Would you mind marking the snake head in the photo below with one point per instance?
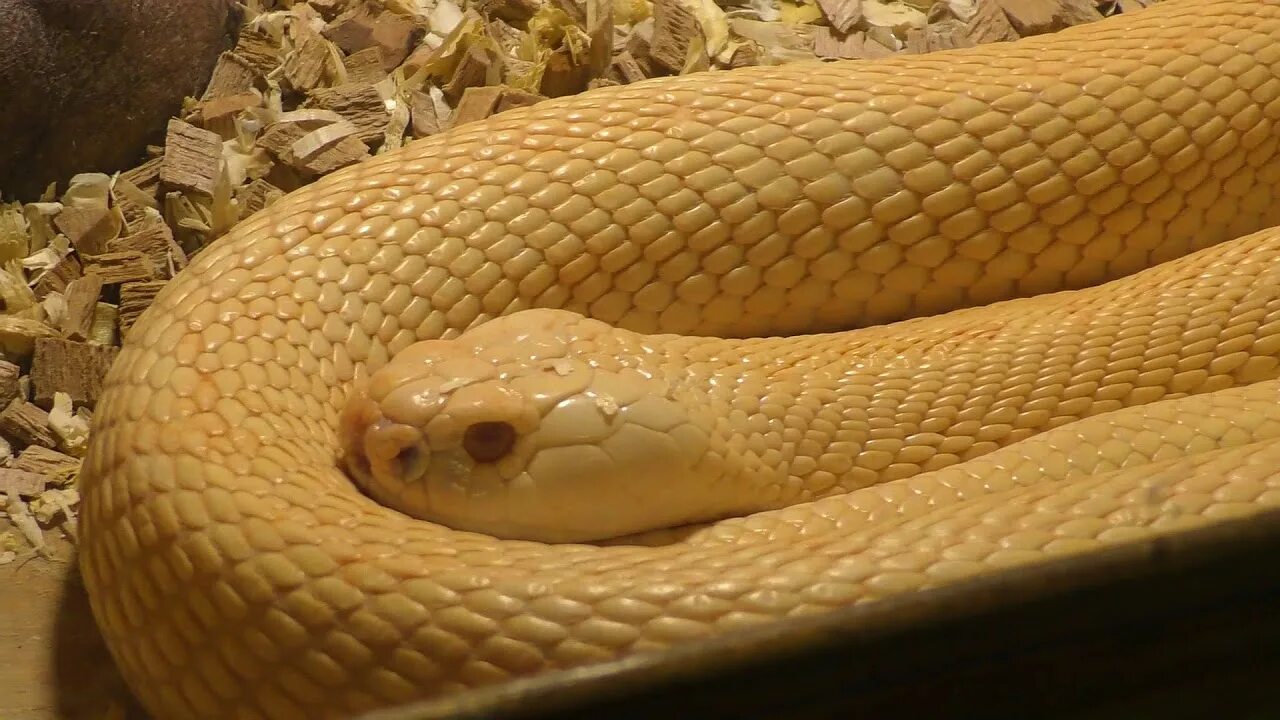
(541, 425)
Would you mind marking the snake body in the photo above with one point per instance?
(1068, 236)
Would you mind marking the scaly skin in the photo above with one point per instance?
(614, 433)
(236, 572)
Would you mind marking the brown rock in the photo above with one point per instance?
(87, 85)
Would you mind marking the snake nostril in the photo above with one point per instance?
(489, 441)
(408, 460)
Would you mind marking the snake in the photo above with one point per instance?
(661, 361)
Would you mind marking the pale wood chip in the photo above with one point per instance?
(154, 239)
(395, 35)
(322, 138)
(359, 103)
(10, 374)
(305, 66)
(1132, 6)
(219, 114)
(191, 156)
(82, 302)
(626, 69)
(328, 8)
(884, 38)
(576, 10)
(1079, 12)
(505, 35)
(598, 23)
(517, 68)
(424, 120)
(258, 50)
(56, 278)
(88, 228)
(746, 55)
(285, 177)
(27, 424)
(477, 103)
(1036, 17)
(471, 71)
(842, 14)
(278, 139)
(134, 298)
(674, 30)
(120, 267)
(512, 11)
(231, 76)
(347, 151)
(67, 366)
(146, 177)
(854, 46)
(132, 201)
(942, 35)
(639, 45)
(257, 195)
(50, 463)
(514, 98)
(365, 66)
(562, 76)
(352, 30)
(104, 325)
(989, 23)
(18, 336)
(23, 483)
(640, 39)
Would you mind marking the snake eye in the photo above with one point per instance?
(489, 441)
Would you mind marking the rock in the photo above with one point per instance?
(85, 86)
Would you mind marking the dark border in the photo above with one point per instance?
(1187, 626)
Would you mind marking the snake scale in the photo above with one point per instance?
(854, 329)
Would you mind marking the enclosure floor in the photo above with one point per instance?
(53, 665)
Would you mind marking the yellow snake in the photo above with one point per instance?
(1047, 308)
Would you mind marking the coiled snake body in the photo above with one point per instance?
(1046, 291)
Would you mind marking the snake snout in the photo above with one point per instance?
(382, 456)
(396, 453)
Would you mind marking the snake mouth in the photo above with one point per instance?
(357, 465)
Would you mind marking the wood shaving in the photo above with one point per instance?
(70, 426)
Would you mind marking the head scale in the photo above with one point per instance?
(540, 425)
